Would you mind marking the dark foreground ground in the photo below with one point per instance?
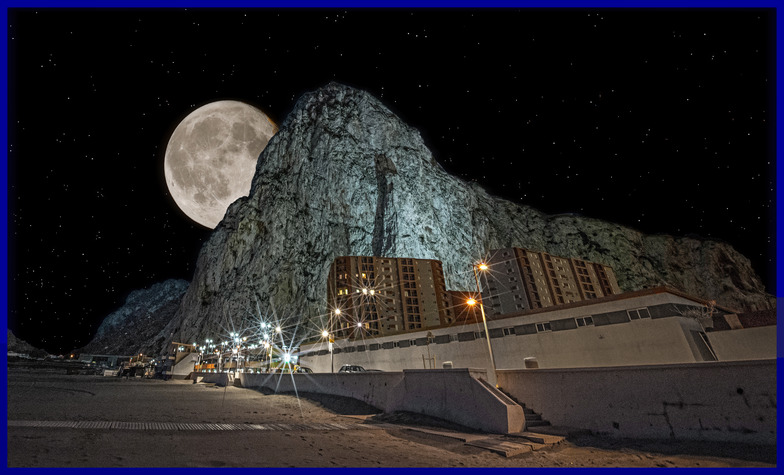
(310, 431)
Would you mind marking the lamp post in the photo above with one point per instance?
(268, 354)
(483, 267)
(327, 336)
(332, 339)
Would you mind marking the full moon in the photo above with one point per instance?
(211, 158)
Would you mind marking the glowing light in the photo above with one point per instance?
(482, 266)
(266, 336)
(278, 329)
(324, 334)
(337, 311)
(287, 357)
(372, 292)
(471, 302)
(359, 324)
(364, 291)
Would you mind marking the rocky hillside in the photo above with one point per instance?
(135, 327)
(344, 176)
(20, 346)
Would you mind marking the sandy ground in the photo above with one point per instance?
(56, 397)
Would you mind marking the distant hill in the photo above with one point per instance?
(136, 326)
(20, 346)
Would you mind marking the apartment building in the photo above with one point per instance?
(376, 296)
(520, 279)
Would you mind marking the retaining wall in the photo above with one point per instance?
(455, 395)
(372, 388)
(720, 401)
(217, 378)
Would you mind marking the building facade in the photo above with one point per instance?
(651, 326)
(520, 279)
(372, 296)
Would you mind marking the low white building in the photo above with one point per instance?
(651, 326)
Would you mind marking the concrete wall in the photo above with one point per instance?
(744, 344)
(727, 401)
(637, 342)
(221, 379)
(372, 388)
(455, 395)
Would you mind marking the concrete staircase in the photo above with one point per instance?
(533, 419)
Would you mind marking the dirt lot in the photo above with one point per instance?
(298, 440)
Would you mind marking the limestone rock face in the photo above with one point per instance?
(344, 176)
(136, 326)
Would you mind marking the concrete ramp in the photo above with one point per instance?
(459, 395)
(185, 365)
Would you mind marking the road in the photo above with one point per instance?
(58, 420)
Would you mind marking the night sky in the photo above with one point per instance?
(661, 120)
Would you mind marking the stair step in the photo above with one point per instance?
(505, 448)
(539, 438)
(537, 423)
(562, 431)
(533, 417)
(536, 446)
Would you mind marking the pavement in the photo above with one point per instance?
(58, 420)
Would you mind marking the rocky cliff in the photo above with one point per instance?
(344, 176)
(135, 327)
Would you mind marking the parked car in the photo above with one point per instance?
(303, 369)
(351, 368)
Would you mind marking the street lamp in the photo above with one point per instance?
(331, 339)
(268, 355)
(483, 267)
